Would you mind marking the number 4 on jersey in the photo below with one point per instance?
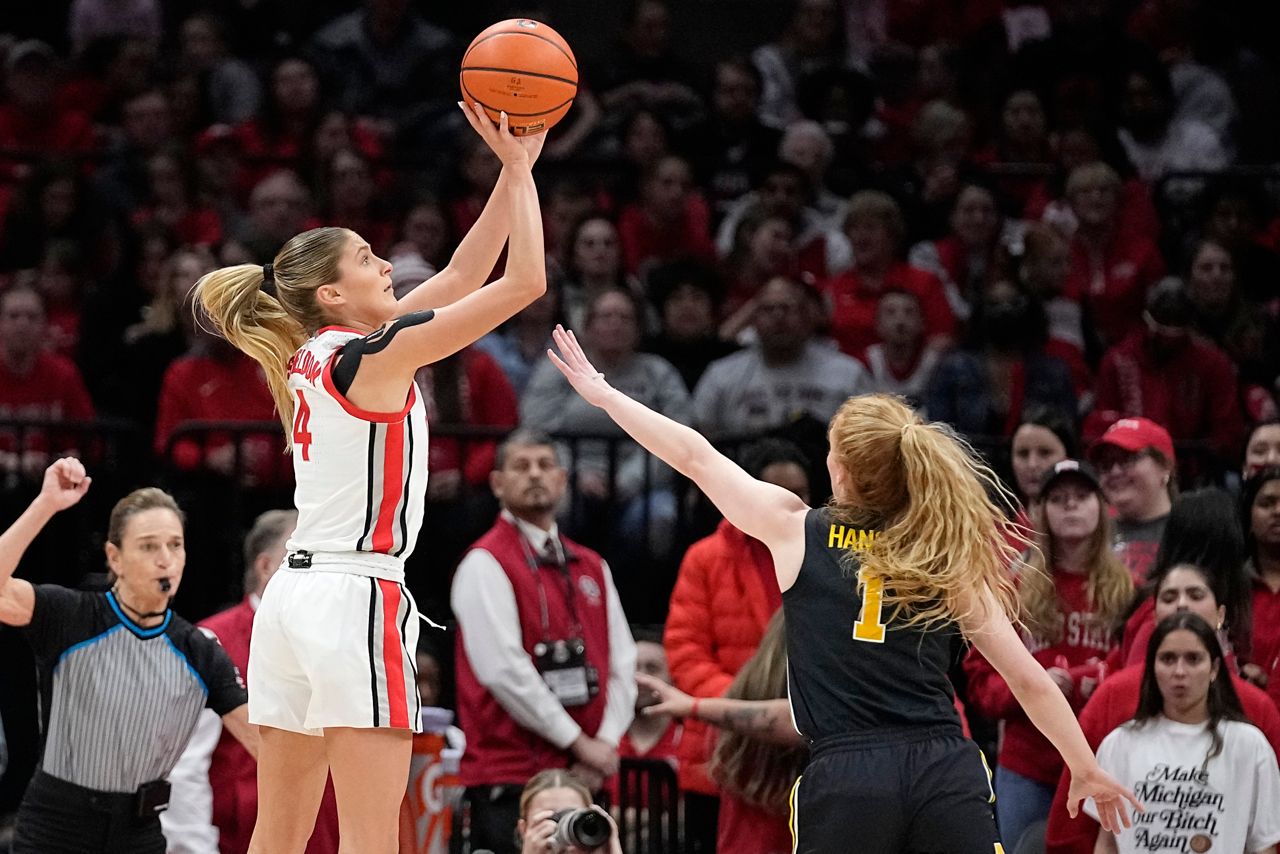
(870, 624)
(301, 420)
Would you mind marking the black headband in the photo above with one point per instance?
(268, 285)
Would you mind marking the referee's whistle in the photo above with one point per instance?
(165, 584)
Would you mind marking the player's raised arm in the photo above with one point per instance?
(989, 630)
(410, 345)
(65, 483)
(771, 514)
(480, 248)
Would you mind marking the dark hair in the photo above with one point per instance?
(1223, 702)
(741, 64)
(1204, 531)
(647, 633)
(522, 438)
(1248, 495)
(1057, 422)
(665, 280)
(1266, 422)
(571, 271)
(759, 455)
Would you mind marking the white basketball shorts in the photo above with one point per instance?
(334, 649)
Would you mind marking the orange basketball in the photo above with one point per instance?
(522, 67)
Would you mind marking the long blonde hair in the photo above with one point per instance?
(941, 535)
(1109, 586)
(759, 772)
(271, 327)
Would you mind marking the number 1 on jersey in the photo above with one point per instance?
(301, 420)
(870, 625)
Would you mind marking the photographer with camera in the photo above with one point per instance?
(546, 662)
(557, 815)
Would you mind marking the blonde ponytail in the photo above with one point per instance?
(941, 536)
(270, 328)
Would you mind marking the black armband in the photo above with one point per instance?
(344, 370)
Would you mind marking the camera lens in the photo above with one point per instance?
(581, 828)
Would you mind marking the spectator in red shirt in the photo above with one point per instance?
(901, 362)
(216, 382)
(671, 221)
(1073, 592)
(31, 121)
(964, 259)
(1260, 503)
(875, 229)
(1023, 140)
(1111, 267)
(60, 280)
(1183, 587)
(172, 201)
(1168, 374)
(34, 384)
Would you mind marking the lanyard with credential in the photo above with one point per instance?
(536, 569)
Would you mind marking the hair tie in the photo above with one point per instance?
(268, 285)
(905, 427)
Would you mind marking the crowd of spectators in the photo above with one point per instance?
(1054, 225)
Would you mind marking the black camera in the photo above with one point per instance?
(585, 829)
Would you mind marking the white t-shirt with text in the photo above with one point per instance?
(1229, 806)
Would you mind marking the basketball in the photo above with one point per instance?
(524, 68)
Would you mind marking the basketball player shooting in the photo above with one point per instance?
(874, 586)
(331, 668)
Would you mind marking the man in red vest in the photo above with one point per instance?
(546, 662)
(214, 802)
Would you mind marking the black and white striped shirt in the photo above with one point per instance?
(119, 701)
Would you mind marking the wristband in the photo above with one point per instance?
(693, 712)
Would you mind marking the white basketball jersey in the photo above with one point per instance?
(361, 476)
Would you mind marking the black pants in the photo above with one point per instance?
(57, 817)
(488, 820)
(906, 791)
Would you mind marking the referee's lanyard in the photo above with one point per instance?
(562, 566)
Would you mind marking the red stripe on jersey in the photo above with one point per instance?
(392, 488)
(392, 655)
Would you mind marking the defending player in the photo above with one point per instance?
(910, 550)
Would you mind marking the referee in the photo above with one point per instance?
(122, 678)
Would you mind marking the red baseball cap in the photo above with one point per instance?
(1136, 434)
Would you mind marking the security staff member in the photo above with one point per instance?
(122, 678)
(546, 663)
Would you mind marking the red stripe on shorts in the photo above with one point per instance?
(392, 655)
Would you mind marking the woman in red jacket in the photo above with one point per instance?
(1179, 587)
(1072, 593)
(723, 599)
